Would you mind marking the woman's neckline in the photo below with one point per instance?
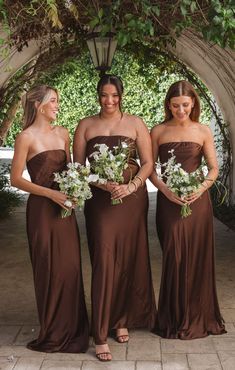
(95, 137)
(45, 151)
(181, 142)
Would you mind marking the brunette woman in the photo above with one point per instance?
(188, 306)
(122, 291)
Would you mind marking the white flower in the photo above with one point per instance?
(124, 145)
(205, 170)
(103, 148)
(93, 178)
(68, 203)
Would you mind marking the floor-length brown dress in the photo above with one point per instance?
(122, 291)
(188, 306)
(55, 255)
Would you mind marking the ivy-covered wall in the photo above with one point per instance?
(145, 87)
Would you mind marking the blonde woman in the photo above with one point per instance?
(53, 241)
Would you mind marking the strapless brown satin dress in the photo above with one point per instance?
(122, 290)
(188, 306)
(55, 255)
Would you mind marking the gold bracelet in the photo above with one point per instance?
(139, 178)
(128, 188)
(135, 185)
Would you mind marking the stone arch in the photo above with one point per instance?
(214, 65)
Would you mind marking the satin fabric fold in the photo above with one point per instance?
(55, 255)
(188, 306)
(122, 290)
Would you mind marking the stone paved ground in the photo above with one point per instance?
(145, 351)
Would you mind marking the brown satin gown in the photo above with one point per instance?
(55, 256)
(122, 290)
(188, 306)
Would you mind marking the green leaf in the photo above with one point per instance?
(193, 6)
(156, 10)
(183, 10)
(217, 20)
(100, 13)
(94, 22)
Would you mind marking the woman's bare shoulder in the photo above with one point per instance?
(158, 129)
(85, 122)
(204, 129)
(25, 135)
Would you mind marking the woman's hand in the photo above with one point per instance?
(106, 187)
(173, 197)
(58, 197)
(195, 195)
(121, 191)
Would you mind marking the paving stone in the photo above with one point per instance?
(8, 334)
(227, 359)
(148, 365)
(7, 363)
(141, 334)
(229, 326)
(61, 365)
(204, 345)
(174, 361)
(204, 361)
(19, 351)
(228, 314)
(148, 349)
(57, 356)
(118, 353)
(112, 365)
(26, 334)
(223, 343)
(28, 363)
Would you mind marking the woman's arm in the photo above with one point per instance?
(212, 164)
(143, 143)
(22, 145)
(79, 143)
(65, 134)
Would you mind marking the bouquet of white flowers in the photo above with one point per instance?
(74, 182)
(108, 165)
(181, 182)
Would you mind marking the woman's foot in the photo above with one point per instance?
(102, 352)
(122, 335)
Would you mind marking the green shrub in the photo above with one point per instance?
(8, 198)
(145, 87)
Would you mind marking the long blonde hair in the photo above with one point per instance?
(40, 94)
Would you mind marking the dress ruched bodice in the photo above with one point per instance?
(112, 141)
(188, 153)
(43, 165)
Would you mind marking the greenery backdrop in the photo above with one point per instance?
(145, 87)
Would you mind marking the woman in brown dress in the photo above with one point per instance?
(53, 241)
(122, 291)
(188, 306)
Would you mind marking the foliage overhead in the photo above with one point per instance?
(146, 20)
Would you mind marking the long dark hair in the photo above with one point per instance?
(109, 79)
(182, 88)
(41, 94)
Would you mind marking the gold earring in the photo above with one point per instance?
(42, 111)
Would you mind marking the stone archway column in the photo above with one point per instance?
(216, 68)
